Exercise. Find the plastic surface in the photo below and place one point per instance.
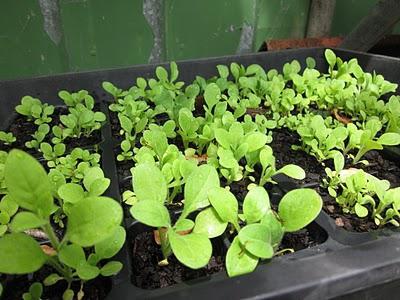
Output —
(341, 266)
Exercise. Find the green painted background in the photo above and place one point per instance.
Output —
(102, 33)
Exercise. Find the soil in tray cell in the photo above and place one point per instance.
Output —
(147, 274)
(281, 144)
(347, 221)
(16, 286)
(23, 130)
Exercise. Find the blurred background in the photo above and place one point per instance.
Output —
(41, 37)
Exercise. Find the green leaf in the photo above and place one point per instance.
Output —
(224, 203)
(20, 254)
(68, 294)
(208, 222)
(330, 57)
(275, 227)
(29, 187)
(222, 137)
(183, 225)
(87, 272)
(91, 175)
(389, 139)
(52, 279)
(360, 210)
(238, 260)
(174, 71)
(223, 71)
(111, 245)
(8, 205)
(199, 182)
(72, 255)
(93, 220)
(212, 94)
(26, 220)
(256, 238)
(99, 186)
(71, 193)
(151, 213)
(255, 204)
(256, 141)
(292, 171)
(161, 74)
(35, 291)
(193, 250)
(111, 268)
(310, 62)
(298, 208)
(149, 183)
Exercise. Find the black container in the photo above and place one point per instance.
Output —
(347, 265)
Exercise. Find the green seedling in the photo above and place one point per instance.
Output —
(367, 140)
(93, 232)
(52, 154)
(38, 136)
(267, 161)
(151, 193)
(7, 138)
(74, 165)
(35, 110)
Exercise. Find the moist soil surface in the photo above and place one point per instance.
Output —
(16, 286)
(147, 274)
(347, 221)
(23, 130)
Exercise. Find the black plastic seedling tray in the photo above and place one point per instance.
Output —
(346, 265)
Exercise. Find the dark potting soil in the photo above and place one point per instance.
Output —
(147, 274)
(382, 168)
(350, 222)
(308, 237)
(281, 144)
(378, 166)
(16, 286)
(23, 130)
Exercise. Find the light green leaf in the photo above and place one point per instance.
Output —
(275, 227)
(149, 183)
(87, 272)
(360, 210)
(200, 181)
(389, 139)
(298, 208)
(193, 250)
(212, 94)
(256, 141)
(224, 203)
(52, 279)
(330, 57)
(71, 192)
(293, 171)
(183, 225)
(208, 222)
(30, 187)
(93, 220)
(111, 268)
(26, 220)
(72, 255)
(255, 204)
(151, 213)
(20, 254)
(111, 245)
(238, 260)
(256, 238)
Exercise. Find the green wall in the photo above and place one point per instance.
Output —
(39, 38)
